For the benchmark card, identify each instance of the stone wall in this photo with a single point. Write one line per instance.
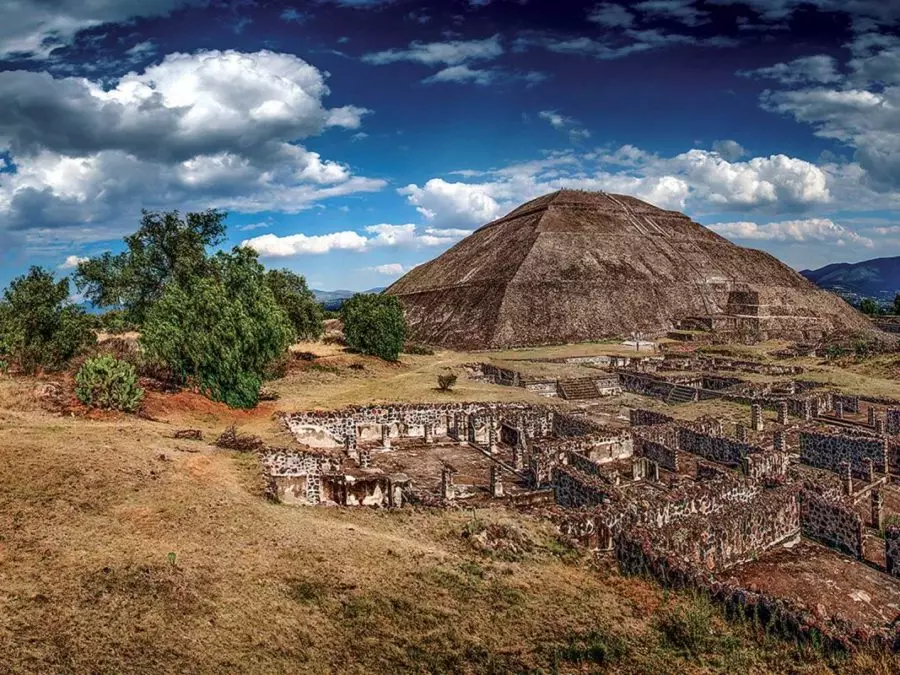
(297, 475)
(892, 549)
(640, 417)
(829, 520)
(715, 448)
(575, 489)
(655, 451)
(892, 421)
(737, 532)
(330, 428)
(829, 451)
(850, 403)
(767, 466)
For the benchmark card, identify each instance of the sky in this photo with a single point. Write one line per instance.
(350, 140)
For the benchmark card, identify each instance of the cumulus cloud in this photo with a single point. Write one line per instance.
(819, 68)
(680, 11)
(374, 236)
(34, 28)
(729, 150)
(71, 262)
(700, 179)
(861, 109)
(812, 229)
(389, 269)
(211, 128)
(450, 53)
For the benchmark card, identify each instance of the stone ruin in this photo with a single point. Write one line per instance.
(691, 503)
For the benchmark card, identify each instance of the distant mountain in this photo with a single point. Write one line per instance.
(878, 278)
(334, 299)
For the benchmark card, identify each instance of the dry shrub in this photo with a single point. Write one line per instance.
(232, 440)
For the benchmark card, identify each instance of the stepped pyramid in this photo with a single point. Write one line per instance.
(574, 266)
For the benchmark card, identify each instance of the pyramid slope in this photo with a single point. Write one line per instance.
(574, 266)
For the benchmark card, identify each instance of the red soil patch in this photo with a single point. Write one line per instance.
(161, 405)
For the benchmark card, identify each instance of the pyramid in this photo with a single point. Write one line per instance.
(575, 266)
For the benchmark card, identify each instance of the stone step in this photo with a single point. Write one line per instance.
(578, 389)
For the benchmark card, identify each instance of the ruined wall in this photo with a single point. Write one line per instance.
(714, 448)
(574, 489)
(664, 455)
(849, 403)
(892, 549)
(892, 420)
(584, 464)
(829, 451)
(737, 532)
(640, 417)
(297, 475)
(766, 466)
(336, 427)
(830, 521)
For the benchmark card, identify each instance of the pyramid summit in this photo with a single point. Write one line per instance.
(574, 266)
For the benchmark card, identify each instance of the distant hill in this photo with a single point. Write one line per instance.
(878, 278)
(334, 299)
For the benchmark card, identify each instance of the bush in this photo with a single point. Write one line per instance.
(39, 327)
(222, 331)
(688, 628)
(446, 381)
(107, 382)
(373, 324)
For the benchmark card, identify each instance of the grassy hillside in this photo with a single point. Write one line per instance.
(125, 550)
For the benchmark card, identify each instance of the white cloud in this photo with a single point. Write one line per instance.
(376, 236)
(576, 132)
(451, 53)
(463, 73)
(860, 109)
(729, 150)
(453, 204)
(273, 246)
(205, 129)
(36, 27)
(389, 269)
(72, 261)
(698, 179)
(820, 68)
(812, 229)
(616, 44)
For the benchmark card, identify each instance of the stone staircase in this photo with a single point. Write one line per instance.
(576, 389)
(681, 394)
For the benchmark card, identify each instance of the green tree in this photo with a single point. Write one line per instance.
(220, 330)
(39, 326)
(167, 248)
(298, 303)
(870, 307)
(373, 324)
(897, 304)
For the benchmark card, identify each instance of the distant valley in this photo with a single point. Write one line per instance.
(878, 278)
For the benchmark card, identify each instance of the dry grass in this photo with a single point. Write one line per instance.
(91, 509)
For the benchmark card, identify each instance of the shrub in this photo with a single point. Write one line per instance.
(689, 627)
(39, 327)
(107, 382)
(446, 381)
(222, 331)
(374, 324)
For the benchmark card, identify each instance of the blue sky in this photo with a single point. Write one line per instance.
(352, 139)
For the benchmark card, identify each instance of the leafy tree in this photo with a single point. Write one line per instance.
(39, 326)
(870, 307)
(167, 248)
(374, 324)
(298, 303)
(897, 304)
(221, 330)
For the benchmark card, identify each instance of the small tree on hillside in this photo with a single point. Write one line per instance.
(897, 304)
(221, 331)
(168, 248)
(870, 307)
(39, 326)
(374, 324)
(298, 303)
